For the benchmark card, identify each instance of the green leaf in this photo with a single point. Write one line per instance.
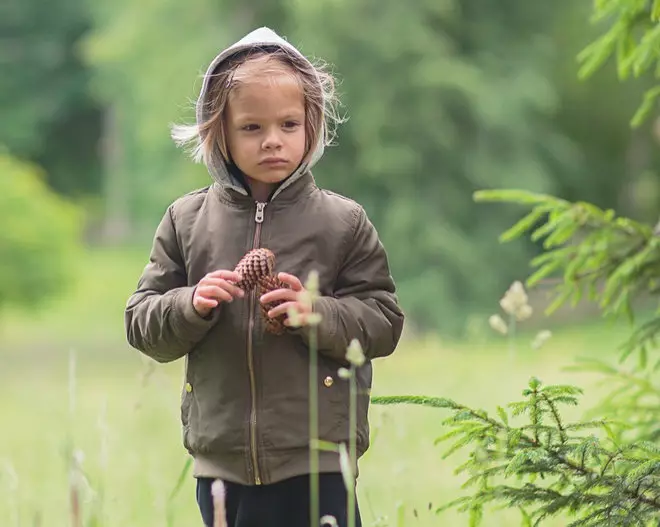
(624, 49)
(503, 415)
(645, 107)
(476, 515)
(595, 54)
(562, 233)
(643, 357)
(180, 480)
(526, 518)
(464, 441)
(421, 400)
(525, 224)
(516, 196)
(543, 272)
(588, 364)
(325, 446)
(655, 11)
(560, 300)
(642, 470)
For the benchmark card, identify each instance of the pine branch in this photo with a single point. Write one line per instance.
(616, 259)
(562, 472)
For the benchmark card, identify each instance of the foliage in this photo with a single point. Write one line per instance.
(614, 260)
(440, 102)
(633, 39)
(443, 98)
(47, 113)
(608, 477)
(39, 236)
(549, 467)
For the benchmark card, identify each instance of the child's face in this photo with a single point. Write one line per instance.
(266, 128)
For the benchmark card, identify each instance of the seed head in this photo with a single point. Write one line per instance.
(355, 354)
(541, 338)
(497, 323)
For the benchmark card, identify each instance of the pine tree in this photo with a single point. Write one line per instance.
(603, 471)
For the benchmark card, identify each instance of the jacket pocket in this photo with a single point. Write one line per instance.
(333, 402)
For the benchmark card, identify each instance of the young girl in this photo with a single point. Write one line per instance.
(261, 126)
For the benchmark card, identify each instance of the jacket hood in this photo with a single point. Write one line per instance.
(217, 166)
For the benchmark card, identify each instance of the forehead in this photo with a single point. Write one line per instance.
(271, 95)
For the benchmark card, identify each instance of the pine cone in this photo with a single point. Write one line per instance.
(266, 284)
(254, 265)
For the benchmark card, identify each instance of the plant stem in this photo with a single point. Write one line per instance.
(352, 444)
(315, 513)
(512, 334)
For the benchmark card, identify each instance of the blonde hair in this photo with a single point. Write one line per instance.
(317, 85)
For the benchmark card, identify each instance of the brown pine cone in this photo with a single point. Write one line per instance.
(266, 284)
(254, 265)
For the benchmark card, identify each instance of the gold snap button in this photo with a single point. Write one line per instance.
(328, 381)
(188, 387)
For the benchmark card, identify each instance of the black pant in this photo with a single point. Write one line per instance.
(282, 504)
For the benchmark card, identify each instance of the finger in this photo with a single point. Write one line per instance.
(224, 284)
(225, 275)
(282, 309)
(201, 302)
(214, 293)
(291, 280)
(278, 295)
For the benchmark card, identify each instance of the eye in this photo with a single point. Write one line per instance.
(291, 125)
(250, 127)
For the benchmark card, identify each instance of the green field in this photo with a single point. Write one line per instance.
(126, 413)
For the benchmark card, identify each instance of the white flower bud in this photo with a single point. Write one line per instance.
(497, 323)
(312, 283)
(294, 318)
(514, 299)
(305, 298)
(524, 312)
(314, 319)
(541, 338)
(344, 373)
(354, 353)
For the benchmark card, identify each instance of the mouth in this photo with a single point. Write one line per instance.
(274, 161)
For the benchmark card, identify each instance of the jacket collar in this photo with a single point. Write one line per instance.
(290, 190)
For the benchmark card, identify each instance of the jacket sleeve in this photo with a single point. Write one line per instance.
(364, 305)
(159, 317)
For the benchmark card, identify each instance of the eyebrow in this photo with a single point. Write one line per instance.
(247, 116)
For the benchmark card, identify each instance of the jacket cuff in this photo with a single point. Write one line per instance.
(326, 330)
(187, 320)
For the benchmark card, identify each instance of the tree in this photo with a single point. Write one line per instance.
(48, 116)
(39, 236)
(604, 471)
(442, 98)
(148, 77)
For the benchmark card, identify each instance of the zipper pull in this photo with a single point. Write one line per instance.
(259, 215)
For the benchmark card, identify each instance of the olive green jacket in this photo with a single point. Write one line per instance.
(245, 396)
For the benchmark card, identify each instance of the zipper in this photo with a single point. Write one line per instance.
(258, 219)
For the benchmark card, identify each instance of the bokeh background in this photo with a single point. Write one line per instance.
(443, 97)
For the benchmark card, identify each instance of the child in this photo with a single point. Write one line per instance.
(261, 126)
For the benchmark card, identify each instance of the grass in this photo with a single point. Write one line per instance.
(126, 412)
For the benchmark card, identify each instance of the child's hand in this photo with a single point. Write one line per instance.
(214, 288)
(290, 298)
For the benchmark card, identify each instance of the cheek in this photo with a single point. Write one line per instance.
(241, 147)
(300, 144)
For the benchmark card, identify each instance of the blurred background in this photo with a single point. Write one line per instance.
(444, 97)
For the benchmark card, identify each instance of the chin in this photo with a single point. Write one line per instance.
(274, 176)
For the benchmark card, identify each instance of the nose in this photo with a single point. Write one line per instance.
(272, 139)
